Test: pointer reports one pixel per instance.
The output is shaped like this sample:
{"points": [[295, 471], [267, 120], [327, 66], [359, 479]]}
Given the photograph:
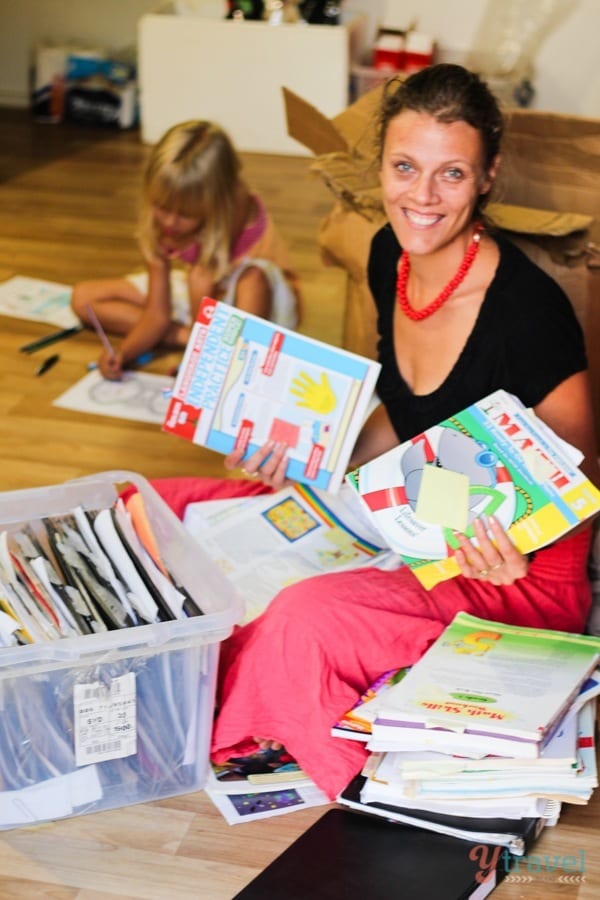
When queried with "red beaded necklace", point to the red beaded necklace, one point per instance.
{"points": [[404, 270]]}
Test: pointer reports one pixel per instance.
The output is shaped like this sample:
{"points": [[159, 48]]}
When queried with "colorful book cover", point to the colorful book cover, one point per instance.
{"points": [[493, 458], [357, 723], [483, 680], [245, 381]]}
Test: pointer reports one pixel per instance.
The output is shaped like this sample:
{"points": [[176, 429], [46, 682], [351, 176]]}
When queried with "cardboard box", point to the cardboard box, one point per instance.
{"points": [[161, 677], [547, 200], [83, 86], [100, 91]]}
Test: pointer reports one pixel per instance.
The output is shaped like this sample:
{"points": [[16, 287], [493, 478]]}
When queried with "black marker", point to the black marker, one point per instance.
{"points": [[50, 339], [47, 364]]}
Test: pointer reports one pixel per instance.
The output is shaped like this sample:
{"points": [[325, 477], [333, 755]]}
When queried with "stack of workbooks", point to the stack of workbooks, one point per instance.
{"points": [[489, 733]]}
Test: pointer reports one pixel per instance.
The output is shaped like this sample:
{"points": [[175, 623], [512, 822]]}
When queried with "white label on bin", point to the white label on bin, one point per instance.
{"points": [[105, 720]]}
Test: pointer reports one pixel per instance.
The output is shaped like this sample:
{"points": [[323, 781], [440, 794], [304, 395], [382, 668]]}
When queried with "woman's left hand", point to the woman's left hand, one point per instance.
{"points": [[269, 463], [494, 559]]}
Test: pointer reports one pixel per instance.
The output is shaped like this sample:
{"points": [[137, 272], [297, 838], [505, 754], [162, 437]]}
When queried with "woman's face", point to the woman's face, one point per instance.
{"points": [[431, 176]]}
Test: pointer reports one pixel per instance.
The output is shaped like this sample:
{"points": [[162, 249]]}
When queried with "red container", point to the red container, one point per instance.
{"points": [[418, 51], [388, 53]]}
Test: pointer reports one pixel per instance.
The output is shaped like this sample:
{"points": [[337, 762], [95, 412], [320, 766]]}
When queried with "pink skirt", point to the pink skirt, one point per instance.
{"points": [[291, 673]]}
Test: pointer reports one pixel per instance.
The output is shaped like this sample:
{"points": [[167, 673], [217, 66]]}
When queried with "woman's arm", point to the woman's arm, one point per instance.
{"points": [[376, 437], [568, 411]]}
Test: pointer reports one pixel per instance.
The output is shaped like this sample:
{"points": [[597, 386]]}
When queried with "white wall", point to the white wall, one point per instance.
{"points": [[565, 68], [565, 71]]}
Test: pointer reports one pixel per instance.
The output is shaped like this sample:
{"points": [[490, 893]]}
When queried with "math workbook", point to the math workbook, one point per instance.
{"points": [[493, 458], [245, 381], [485, 687]]}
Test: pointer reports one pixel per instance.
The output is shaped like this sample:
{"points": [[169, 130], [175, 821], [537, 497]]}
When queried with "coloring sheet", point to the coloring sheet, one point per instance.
{"points": [[139, 396], [40, 301]]}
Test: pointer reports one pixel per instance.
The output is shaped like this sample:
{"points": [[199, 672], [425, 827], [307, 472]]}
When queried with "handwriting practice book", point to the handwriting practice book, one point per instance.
{"points": [[493, 458], [487, 688], [245, 381]]}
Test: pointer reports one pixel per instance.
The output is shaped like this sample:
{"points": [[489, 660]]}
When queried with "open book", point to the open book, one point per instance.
{"points": [[493, 458], [245, 381], [267, 542]]}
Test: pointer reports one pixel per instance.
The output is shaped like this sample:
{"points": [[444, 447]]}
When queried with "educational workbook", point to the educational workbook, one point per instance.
{"points": [[484, 687], [245, 381], [493, 458]]}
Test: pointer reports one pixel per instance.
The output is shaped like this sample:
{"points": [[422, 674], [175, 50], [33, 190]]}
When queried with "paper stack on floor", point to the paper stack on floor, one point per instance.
{"points": [[495, 722]]}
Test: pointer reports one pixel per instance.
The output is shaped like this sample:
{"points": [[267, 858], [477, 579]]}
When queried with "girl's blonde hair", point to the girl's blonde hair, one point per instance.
{"points": [[193, 170]]}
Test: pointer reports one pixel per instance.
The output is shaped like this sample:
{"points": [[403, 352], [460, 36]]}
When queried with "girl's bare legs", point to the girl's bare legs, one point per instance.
{"points": [[177, 336], [119, 304], [116, 301]]}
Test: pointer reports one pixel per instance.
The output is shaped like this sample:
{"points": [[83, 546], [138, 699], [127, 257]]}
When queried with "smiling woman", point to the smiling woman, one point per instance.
{"points": [[288, 676]]}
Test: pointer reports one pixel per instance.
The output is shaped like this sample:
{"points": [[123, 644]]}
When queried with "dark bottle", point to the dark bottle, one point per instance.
{"points": [[320, 12], [249, 9]]}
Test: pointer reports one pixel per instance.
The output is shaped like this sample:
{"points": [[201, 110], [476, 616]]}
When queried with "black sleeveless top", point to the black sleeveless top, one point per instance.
{"points": [[526, 339]]}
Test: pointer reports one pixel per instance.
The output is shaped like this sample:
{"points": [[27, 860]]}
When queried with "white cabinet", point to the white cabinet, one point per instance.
{"points": [[232, 73]]}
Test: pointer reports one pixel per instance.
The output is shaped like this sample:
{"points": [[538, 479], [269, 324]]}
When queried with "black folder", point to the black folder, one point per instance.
{"points": [[517, 835], [350, 854]]}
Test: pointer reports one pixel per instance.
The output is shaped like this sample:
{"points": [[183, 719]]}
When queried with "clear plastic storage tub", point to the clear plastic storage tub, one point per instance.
{"points": [[120, 717]]}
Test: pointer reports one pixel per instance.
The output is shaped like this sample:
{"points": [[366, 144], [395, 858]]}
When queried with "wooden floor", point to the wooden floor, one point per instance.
{"points": [[67, 211]]}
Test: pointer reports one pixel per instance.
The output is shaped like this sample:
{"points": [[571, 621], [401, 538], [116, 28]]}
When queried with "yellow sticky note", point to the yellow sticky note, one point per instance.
{"points": [[443, 498]]}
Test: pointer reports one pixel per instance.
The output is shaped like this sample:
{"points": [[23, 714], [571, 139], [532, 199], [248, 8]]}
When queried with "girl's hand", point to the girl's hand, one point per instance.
{"points": [[268, 463], [162, 257], [111, 365], [495, 559]]}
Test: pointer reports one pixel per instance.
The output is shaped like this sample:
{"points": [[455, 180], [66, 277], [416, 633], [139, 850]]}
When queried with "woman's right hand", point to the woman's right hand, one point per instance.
{"points": [[269, 463], [111, 365]]}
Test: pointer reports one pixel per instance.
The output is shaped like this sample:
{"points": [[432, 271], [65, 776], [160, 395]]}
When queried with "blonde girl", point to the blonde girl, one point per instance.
{"points": [[202, 232]]}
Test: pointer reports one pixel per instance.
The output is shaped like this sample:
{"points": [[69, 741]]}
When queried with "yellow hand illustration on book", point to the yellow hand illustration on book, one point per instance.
{"points": [[315, 395]]}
